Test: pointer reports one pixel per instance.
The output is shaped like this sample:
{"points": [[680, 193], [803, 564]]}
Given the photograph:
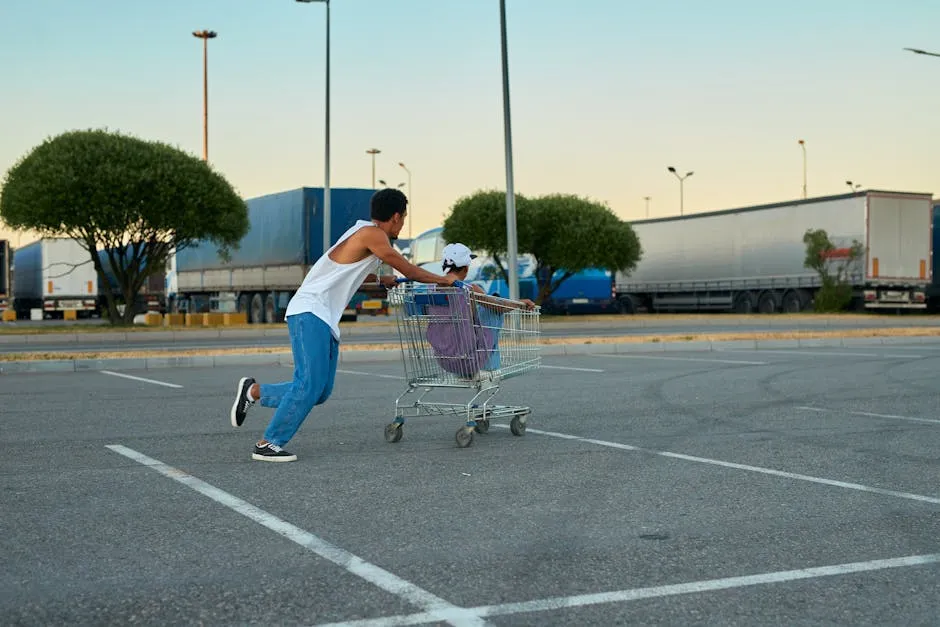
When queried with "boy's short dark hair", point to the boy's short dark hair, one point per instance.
{"points": [[448, 266], [386, 203]]}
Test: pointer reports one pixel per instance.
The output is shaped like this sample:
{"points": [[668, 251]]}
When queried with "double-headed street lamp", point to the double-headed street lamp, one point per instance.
{"points": [[681, 192], [327, 239]]}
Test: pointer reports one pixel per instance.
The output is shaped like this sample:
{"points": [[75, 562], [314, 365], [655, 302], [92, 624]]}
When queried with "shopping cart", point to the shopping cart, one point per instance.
{"points": [[453, 337]]}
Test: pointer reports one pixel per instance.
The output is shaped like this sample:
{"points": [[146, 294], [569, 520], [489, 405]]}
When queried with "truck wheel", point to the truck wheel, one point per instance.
{"points": [[269, 309], [257, 310], [767, 303], [743, 303], [792, 302], [626, 305]]}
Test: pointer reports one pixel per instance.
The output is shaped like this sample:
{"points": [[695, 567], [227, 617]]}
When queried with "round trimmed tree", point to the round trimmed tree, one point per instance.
{"points": [[124, 199]]}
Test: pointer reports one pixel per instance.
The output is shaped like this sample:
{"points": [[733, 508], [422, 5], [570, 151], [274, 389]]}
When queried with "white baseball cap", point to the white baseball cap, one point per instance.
{"points": [[457, 255]]}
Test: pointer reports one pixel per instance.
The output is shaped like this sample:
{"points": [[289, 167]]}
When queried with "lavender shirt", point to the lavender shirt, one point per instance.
{"points": [[462, 346]]}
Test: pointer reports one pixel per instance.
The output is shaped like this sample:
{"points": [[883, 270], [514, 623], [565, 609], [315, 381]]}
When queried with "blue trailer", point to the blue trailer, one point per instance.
{"points": [[284, 240], [590, 291]]}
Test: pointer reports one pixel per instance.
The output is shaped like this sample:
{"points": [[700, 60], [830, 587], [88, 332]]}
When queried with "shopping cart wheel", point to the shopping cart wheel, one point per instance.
{"points": [[483, 425], [464, 437], [517, 426], [393, 432]]}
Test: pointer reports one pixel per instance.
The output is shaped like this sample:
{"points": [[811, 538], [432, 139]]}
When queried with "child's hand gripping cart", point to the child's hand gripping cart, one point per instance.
{"points": [[454, 337]]}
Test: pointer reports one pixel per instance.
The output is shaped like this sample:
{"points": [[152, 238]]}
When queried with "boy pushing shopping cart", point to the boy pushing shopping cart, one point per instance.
{"points": [[458, 337]]}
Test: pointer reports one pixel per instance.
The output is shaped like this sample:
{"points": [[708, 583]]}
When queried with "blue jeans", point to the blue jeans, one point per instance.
{"points": [[316, 354]]}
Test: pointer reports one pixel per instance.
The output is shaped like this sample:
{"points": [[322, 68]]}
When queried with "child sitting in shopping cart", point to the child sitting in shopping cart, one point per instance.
{"points": [[464, 332]]}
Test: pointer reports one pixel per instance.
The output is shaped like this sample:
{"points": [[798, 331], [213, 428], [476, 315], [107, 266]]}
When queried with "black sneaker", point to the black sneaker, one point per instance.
{"points": [[272, 453], [242, 402]]}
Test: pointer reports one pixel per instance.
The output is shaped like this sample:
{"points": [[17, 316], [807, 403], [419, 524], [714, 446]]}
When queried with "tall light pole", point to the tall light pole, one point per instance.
{"points": [[647, 199], [852, 186], [511, 242], [205, 36], [681, 192], [373, 152], [411, 200], [327, 222], [803, 146]]}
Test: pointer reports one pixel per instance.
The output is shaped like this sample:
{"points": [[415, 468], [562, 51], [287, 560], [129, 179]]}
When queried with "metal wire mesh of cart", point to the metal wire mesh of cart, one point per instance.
{"points": [[455, 337]]}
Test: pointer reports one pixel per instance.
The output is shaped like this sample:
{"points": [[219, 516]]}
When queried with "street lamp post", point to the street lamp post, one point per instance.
{"points": [[681, 191], [803, 146], [205, 36], [327, 223], [411, 199], [511, 241], [373, 152], [852, 186], [647, 199]]}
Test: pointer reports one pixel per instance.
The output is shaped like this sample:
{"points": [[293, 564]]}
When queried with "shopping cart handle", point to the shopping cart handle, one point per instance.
{"points": [[406, 280]]}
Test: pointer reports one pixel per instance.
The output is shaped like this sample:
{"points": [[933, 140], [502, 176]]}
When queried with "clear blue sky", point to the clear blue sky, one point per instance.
{"points": [[605, 93]]}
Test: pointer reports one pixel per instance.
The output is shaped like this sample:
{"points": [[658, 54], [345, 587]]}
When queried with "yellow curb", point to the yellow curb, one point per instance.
{"points": [[621, 339]]}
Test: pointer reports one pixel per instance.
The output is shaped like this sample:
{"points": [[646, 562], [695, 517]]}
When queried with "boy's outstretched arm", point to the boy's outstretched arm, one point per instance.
{"points": [[377, 243]]}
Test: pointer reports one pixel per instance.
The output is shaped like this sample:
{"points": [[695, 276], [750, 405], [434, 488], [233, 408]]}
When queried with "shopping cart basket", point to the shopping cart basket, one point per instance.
{"points": [[453, 337]]}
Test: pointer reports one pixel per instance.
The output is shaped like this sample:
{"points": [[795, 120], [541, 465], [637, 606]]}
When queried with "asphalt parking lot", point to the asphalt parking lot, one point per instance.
{"points": [[737, 487]]}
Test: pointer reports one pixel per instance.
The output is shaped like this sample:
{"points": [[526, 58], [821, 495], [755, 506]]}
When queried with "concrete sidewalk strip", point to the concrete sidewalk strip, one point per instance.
{"points": [[353, 354], [585, 349], [188, 361], [117, 363], [37, 366]]}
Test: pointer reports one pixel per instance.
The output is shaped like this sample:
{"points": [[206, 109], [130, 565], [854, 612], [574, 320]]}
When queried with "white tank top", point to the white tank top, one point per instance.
{"points": [[329, 286]]}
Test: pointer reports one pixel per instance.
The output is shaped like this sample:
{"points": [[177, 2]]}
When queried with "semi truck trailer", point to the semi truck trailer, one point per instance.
{"points": [[752, 258], [6, 276], [54, 275], [152, 296], [284, 240]]}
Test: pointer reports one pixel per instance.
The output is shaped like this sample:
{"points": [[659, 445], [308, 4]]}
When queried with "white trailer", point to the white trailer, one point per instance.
{"points": [[752, 258], [54, 275]]}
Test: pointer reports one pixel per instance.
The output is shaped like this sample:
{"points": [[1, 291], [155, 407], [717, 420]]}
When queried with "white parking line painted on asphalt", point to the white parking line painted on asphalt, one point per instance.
{"points": [[736, 466], [128, 376], [699, 359], [655, 592], [812, 353], [572, 368], [435, 607], [822, 410], [372, 374]]}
